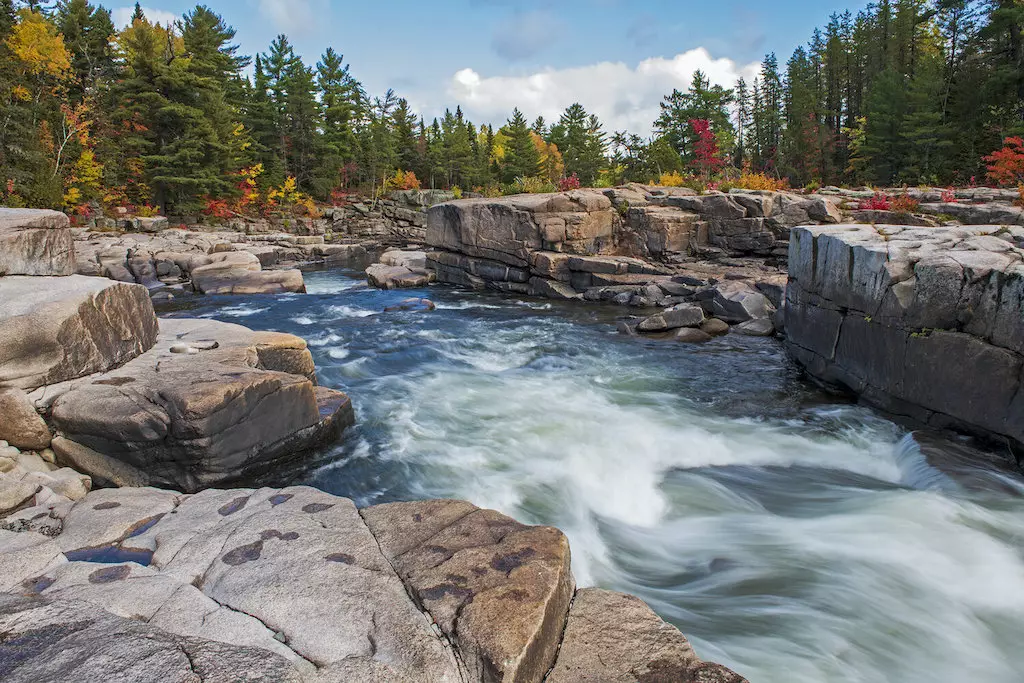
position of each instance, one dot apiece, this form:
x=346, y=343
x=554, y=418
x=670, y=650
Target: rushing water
x=790, y=536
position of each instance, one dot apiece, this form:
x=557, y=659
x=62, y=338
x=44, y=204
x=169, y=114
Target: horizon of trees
x=166, y=117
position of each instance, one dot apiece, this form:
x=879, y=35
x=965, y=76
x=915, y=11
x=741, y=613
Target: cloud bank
x=621, y=96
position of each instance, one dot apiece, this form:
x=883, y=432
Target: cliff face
x=562, y=245
x=923, y=322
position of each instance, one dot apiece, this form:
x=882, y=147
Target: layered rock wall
x=922, y=322
x=563, y=245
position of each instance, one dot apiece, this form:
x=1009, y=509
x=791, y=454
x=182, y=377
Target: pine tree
x=87, y=33
x=522, y=160
x=702, y=101
x=579, y=138
x=344, y=105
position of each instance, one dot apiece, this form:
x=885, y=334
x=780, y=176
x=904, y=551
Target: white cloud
x=622, y=97
x=122, y=16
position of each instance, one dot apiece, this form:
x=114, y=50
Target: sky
x=618, y=58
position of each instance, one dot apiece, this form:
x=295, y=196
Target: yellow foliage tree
x=551, y=164
x=38, y=47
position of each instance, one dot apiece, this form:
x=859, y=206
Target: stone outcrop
x=922, y=322
x=567, y=244
x=35, y=242
x=298, y=585
x=208, y=263
x=400, y=269
x=57, y=329
x=210, y=402
x=400, y=218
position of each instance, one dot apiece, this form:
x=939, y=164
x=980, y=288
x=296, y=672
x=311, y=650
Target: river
x=790, y=535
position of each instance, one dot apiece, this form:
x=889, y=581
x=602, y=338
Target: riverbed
x=791, y=535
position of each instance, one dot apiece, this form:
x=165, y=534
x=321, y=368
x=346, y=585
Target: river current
x=791, y=536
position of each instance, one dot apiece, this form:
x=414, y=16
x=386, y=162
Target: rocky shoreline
x=141, y=583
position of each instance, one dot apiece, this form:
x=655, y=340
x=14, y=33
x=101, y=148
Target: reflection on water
x=790, y=536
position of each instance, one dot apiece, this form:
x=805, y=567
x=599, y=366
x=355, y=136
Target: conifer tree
x=522, y=160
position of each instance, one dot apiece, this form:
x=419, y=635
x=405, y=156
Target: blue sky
x=617, y=57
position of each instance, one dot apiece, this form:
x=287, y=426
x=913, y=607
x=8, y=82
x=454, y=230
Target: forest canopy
x=172, y=118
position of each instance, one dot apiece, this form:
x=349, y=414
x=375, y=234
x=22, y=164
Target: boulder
x=191, y=420
x=384, y=276
x=57, y=329
x=737, y=302
x=239, y=272
x=714, y=327
x=20, y=424
x=498, y=589
x=35, y=242
x=616, y=638
x=682, y=315
x=758, y=327
x=250, y=282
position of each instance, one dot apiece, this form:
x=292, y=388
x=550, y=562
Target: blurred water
x=792, y=537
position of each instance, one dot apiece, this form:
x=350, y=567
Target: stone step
x=35, y=242
x=54, y=329
x=211, y=402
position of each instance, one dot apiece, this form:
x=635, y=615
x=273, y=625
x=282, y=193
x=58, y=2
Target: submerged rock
x=418, y=305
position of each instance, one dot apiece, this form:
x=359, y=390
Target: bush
x=529, y=185
x=456, y=191
x=1006, y=166
x=217, y=209
x=759, y=181
x=904, y=203
x=570, y=183
x=879, y=202
x=673, y=179
x=949, y=196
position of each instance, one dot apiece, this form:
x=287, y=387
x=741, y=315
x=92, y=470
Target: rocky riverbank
x=872, y=307
x=922, y=322
x=151, y=584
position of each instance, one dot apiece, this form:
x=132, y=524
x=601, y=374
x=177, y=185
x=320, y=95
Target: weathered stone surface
x=683, y=315
x=73, y=641
x=56, y=329
x=500, y=590
x=616, y=638
x=105, y=470
x=714, y=327
x=222, y=411
x=35, y=242
x=738, y=302
x=240, y=273
x=924, y=322
x=20, y=425
x=384, y=276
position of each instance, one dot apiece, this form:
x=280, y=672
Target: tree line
x=173, y=118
